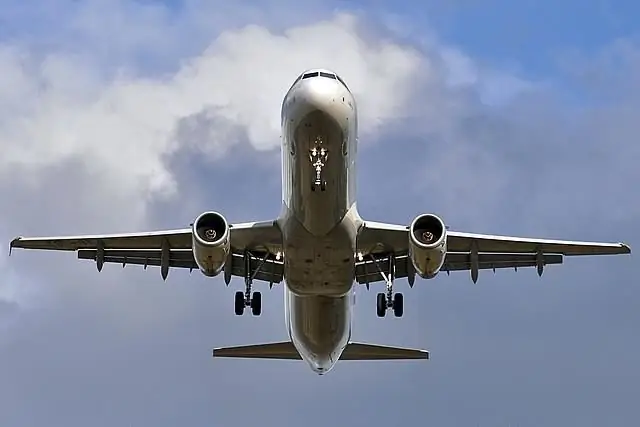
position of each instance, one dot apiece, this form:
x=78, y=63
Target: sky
x=516, y=118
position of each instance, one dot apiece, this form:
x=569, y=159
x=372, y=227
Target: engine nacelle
x=427, y=245
x=210, y=242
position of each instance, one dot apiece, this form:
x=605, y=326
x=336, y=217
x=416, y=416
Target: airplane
x=319, y=247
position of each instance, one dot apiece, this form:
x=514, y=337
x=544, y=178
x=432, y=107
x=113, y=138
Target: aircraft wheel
x=398, y=305
x=256, y=304
x=239, y=303
x=381, y=305
x=323, y=186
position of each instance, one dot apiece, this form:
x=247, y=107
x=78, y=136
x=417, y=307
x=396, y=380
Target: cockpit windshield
x=324, y=74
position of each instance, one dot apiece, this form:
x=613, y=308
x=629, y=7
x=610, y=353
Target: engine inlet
x=210, y=227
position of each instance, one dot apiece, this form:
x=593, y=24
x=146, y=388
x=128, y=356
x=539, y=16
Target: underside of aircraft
x=320, y=248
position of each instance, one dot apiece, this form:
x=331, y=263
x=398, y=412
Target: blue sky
x=502, y=117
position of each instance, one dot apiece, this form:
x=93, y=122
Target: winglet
x=13, y=243
x=626, y=248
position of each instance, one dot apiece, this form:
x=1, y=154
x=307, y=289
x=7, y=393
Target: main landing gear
x=245, y=299
x=389, y=300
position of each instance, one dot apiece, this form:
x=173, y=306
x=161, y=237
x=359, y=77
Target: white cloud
x=89, y=150
x=84, y=149
x=60, y=108
x=121, y=130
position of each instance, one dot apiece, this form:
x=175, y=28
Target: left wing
x=468, y=251
x=259, y=243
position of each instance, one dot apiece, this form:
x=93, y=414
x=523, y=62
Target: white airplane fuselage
x=319, y=220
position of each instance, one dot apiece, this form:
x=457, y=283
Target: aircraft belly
x=320, y=265
x=320, y=271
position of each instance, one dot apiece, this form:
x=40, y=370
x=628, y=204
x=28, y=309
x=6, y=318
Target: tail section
x=285, y=350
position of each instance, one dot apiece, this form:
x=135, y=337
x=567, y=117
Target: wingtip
x=12, y=244
x=625, y=248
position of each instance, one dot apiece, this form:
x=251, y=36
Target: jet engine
x=210, y=242
x=427, y=245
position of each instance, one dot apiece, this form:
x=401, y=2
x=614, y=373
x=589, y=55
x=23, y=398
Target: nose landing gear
x=318, y=156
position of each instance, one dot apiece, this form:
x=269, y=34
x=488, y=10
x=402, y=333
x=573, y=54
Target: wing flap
x=178, y=258
x=462, y=261
x=368, y=272
x=271, y=270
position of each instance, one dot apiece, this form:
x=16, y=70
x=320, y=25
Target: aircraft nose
x=319, y=94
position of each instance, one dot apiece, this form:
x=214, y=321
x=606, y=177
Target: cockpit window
x=328, y=75
x=320, y=74
x=340, y=80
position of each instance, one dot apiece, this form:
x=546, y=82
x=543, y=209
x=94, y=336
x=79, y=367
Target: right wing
x=468, y=251
x=261, y=242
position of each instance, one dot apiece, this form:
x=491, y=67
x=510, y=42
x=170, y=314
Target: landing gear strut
x=318, y=156
x=389, y=300
x=245, y=299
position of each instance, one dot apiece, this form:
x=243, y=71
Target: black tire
x=323, y=186
x=239, y=303
x=256, y=304
x=398, y=305
x=381, y=305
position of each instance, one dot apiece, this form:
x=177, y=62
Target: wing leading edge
x=258, y=242
x=469, y=251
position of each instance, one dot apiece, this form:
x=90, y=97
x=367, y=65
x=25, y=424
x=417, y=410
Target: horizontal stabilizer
x=275, y=350
x=362, y=351
x=354, y=351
